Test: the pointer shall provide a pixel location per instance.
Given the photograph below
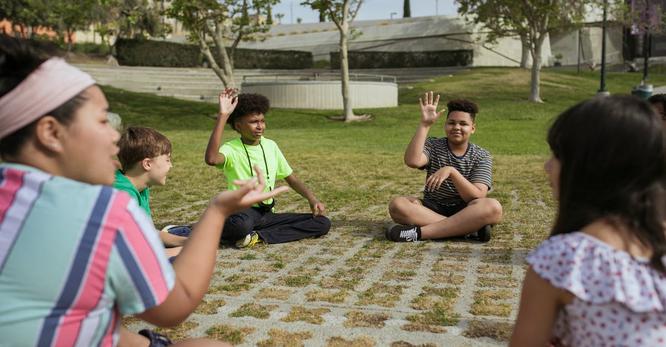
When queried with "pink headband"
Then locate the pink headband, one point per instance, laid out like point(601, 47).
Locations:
point(52, 84)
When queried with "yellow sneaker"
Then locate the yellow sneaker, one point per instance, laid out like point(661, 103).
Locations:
point(249, 240)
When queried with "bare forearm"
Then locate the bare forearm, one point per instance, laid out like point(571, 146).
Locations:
point(214, 142)
point(414, 156)
point(468, 191)
point(300, 188)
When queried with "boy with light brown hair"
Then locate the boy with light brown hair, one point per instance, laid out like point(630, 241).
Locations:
point(145, 157)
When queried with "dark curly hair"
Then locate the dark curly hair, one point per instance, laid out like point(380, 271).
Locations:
point(248, 104)
point(463, 105)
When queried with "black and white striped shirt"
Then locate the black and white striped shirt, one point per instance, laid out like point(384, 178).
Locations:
point(476, 165)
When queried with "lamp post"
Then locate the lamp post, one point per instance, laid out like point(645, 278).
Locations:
point(602, 83)
point(644, 89)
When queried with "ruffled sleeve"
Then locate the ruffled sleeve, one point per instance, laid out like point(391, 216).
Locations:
point(597, 273)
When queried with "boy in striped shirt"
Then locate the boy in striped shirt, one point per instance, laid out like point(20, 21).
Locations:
point(459, 176)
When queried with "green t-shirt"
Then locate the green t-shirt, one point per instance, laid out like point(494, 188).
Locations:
point(237, 167)
point(142, 197)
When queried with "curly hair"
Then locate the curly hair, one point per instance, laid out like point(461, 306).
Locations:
point(248, 104)
point(463, 105)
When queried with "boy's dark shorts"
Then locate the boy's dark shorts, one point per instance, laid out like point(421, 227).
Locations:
point(446, 210)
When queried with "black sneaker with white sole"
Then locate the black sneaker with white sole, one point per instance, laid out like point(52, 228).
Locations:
point(481, 235)
point(403, 233)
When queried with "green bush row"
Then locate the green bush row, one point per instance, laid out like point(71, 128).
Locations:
point(135, 52)
point(378, 60)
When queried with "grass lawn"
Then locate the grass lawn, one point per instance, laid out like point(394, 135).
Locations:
point(355, 169)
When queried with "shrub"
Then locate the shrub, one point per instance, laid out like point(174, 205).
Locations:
point(170, 54)
point(375, 60)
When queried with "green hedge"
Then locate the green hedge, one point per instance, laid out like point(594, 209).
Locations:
point(170, 54)
point(156, 53)
point(376, 60)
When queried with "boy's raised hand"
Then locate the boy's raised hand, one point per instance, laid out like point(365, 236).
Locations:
point(228, 101)
point(249, 193)
point(429, 114)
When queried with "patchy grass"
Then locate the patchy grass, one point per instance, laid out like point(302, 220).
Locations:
point(209, 307)
point(281, 338)
point(398, 275)
point(503, 282)
point(253, 310)
point(407, 344)
point(235, 284)
point(180, 332)
point(228, 333)
point(248, 256)
point(492, 303)
point(380, 294)
point(413, 327)
point(274, 293)
point(362, 341)
point(501, 270)
point(296, 281)
point(335, 297)
point(431, 297)
point(300, 313)
point(437, 315)
point(451, 278)
point(357, 319)
point(484, 328)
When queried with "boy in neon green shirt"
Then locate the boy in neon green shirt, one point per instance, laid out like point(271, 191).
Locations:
point(246, 114)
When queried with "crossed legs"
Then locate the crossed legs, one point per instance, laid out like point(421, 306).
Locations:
point(479, 212)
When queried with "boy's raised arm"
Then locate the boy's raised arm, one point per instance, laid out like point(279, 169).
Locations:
point(228, 102)
point(414, 156)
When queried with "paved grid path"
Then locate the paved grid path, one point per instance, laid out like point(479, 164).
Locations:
point(353, 288)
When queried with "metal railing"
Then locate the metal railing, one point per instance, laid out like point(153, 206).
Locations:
point(318, 76)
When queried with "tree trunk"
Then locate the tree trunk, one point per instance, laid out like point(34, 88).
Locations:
point(69, 34)
point(535, 92)
point(524, 52)
point(227, 80)
point(344, 73)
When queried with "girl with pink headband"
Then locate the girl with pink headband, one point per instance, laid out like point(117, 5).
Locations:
point(75, 254)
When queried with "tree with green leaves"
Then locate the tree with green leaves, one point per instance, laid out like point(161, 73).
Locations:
point(25, 15)
point(269, 15)
point(220, 25)
point(139, 19)
point(531, 20)
point(406, 9)
point(68, 16)
point(342, 14)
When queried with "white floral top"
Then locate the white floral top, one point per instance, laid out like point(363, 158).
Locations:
point(619, 300)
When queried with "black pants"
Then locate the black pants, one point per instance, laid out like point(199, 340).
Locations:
point(274, 227)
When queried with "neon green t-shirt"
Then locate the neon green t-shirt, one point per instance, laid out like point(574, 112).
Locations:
point(236, 165)
point(142, 197)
